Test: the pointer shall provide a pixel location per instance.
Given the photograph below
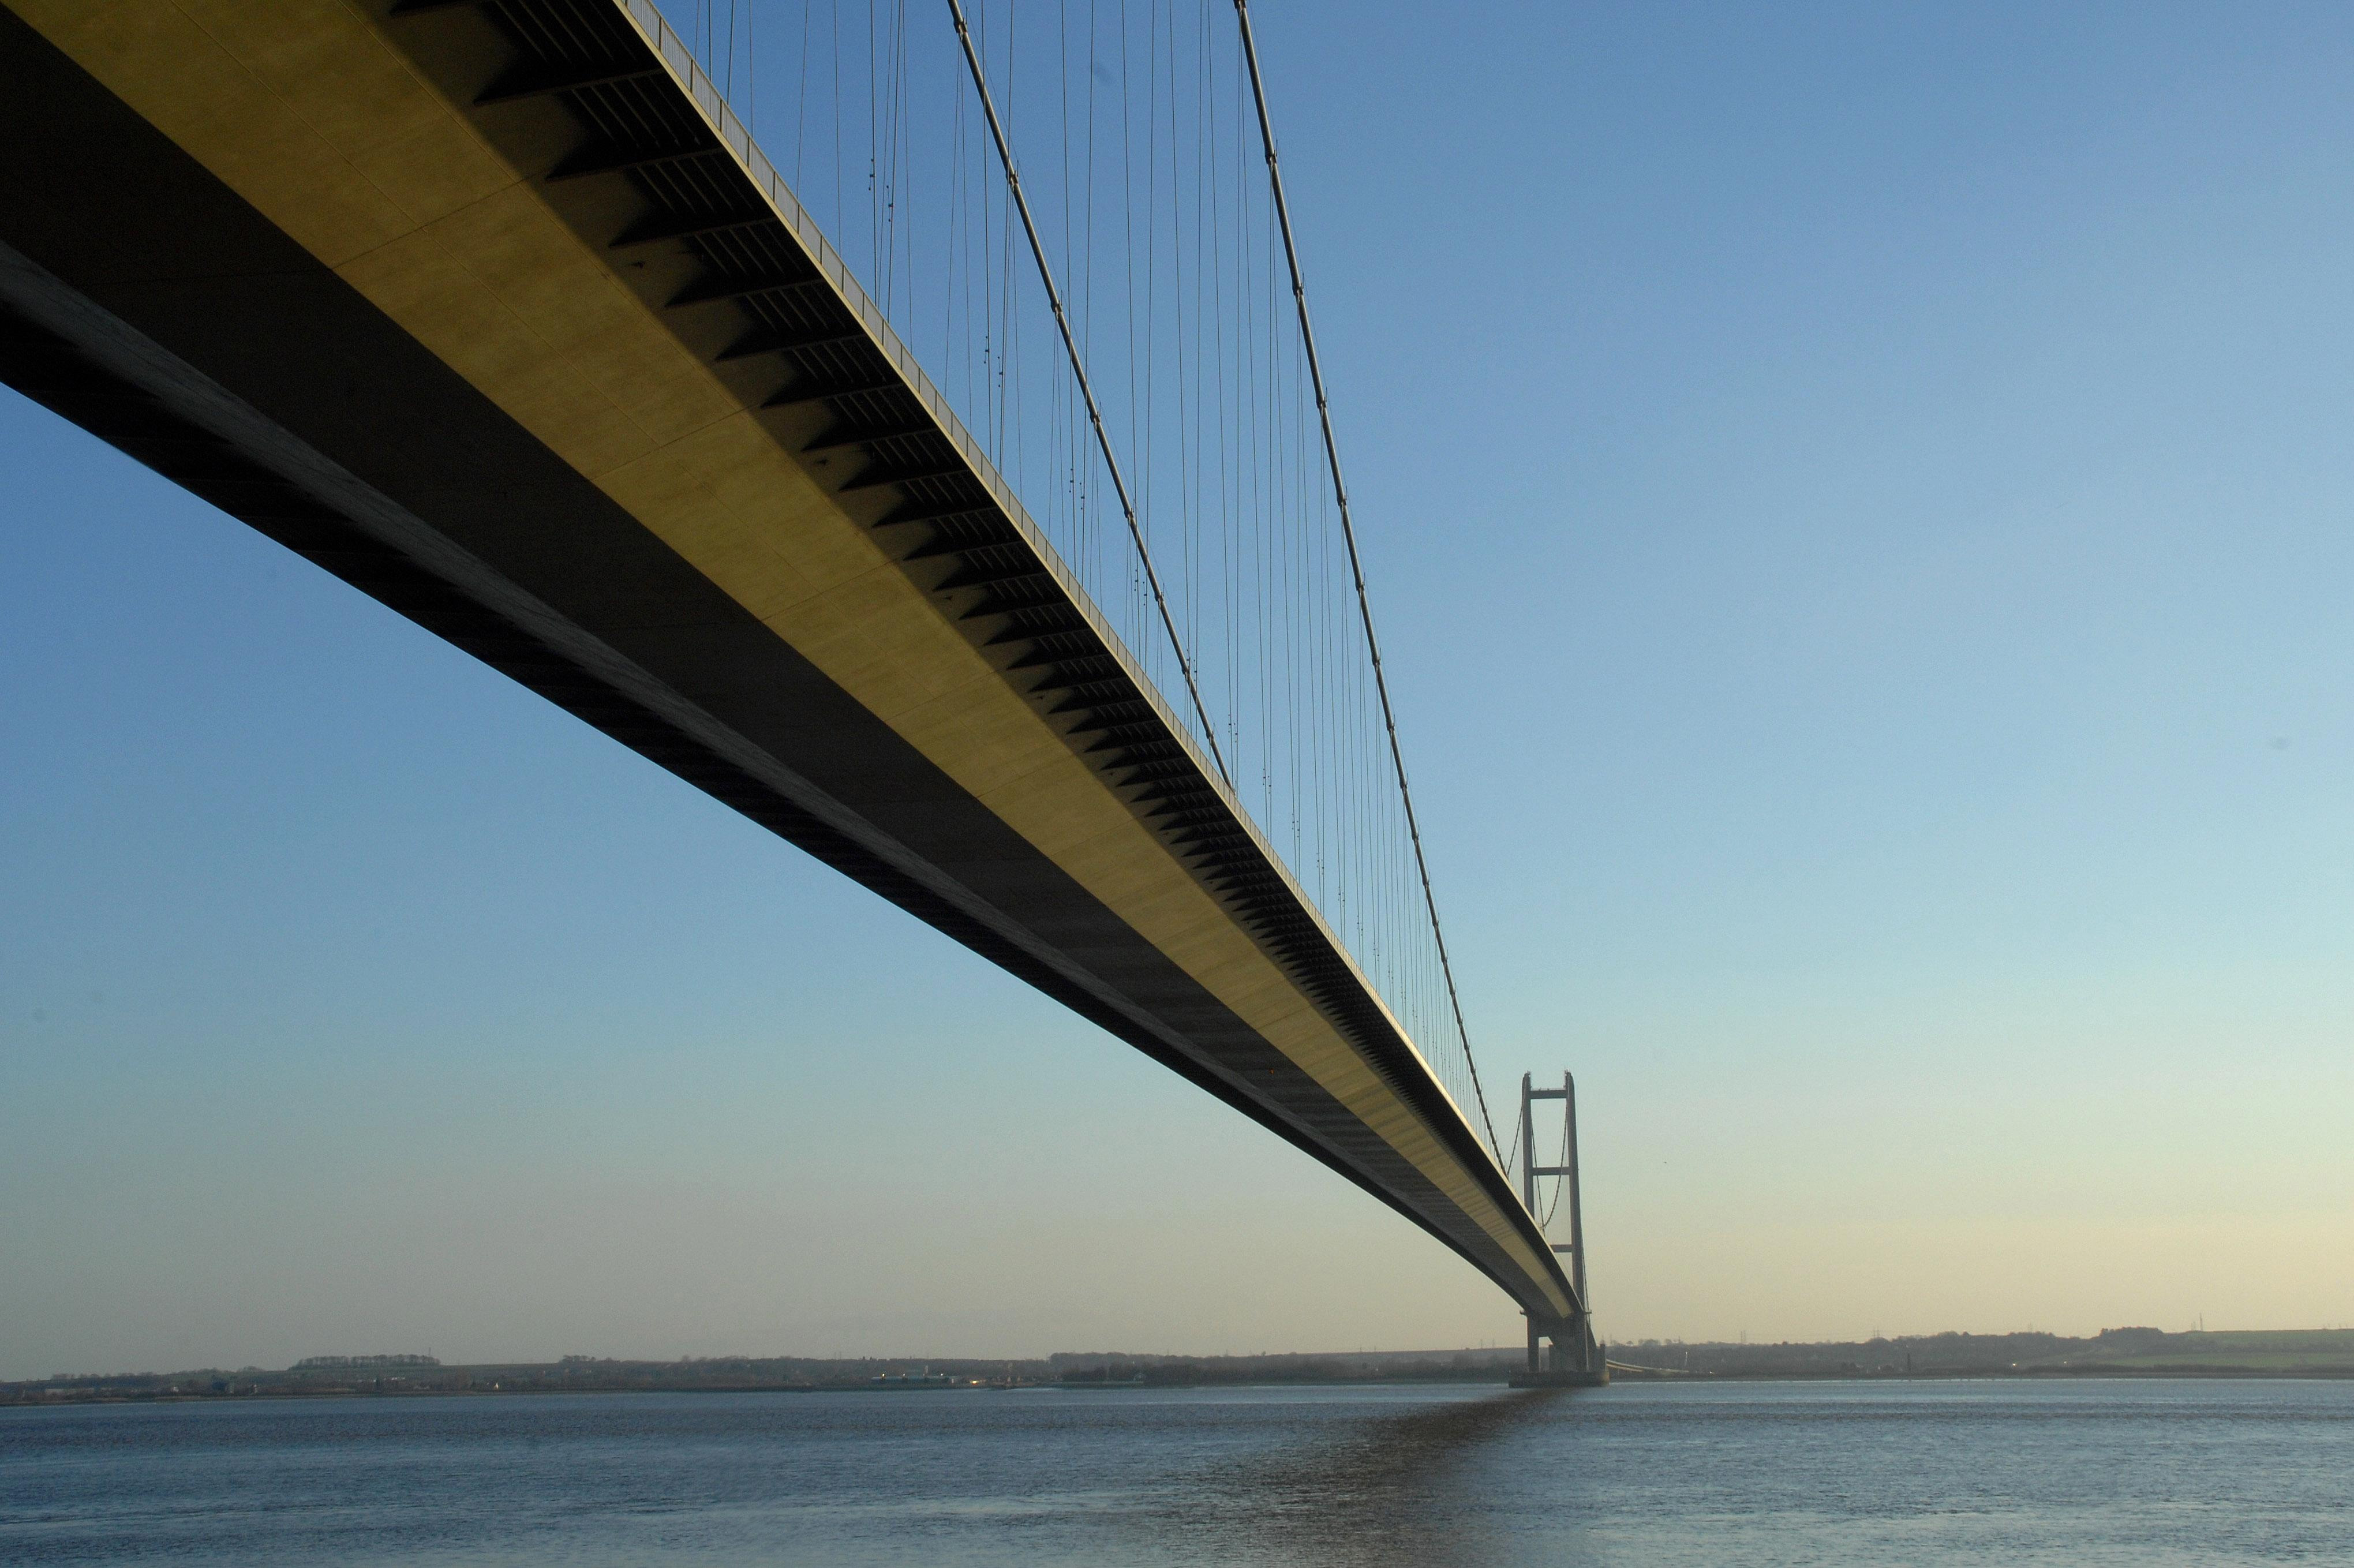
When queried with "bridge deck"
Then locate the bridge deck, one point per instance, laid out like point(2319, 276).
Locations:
point(493, 310)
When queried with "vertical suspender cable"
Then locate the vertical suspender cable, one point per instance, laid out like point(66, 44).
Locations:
point(1356, 570)
point(1079, 370)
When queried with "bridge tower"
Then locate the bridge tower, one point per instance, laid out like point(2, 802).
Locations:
point(1573, 1358)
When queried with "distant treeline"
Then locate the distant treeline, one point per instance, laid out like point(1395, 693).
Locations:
point(1113, 1367)
point(2116, 1352)
point(393, 1375)
point(582, 1374)
point(2113, 1352)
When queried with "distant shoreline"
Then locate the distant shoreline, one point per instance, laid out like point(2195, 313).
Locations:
point(1623, 1372)
point(2132, 1354)
point(1620, 1374)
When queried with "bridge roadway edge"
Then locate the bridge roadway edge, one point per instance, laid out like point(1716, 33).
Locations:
point(236, 308)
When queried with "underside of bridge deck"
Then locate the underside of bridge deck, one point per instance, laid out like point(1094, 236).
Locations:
point(487, 309)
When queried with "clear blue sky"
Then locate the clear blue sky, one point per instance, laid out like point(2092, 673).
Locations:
point(1858, 501)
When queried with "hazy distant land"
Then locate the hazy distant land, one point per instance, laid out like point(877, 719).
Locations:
point(2113, 1353)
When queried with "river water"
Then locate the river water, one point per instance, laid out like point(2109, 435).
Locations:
point(2148, 1474)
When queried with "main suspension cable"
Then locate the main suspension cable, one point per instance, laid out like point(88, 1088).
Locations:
point(1348, 532)
point(1079, 370)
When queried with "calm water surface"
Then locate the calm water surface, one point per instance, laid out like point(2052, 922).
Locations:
point(2081, 1473)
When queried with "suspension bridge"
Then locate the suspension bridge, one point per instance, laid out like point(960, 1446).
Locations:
point(944, 478)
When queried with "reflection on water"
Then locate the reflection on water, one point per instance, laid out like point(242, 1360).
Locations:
point(1936, 1474)
point(1389, 1490)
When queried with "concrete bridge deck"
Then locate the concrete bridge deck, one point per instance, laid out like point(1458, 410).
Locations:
point(493, 312)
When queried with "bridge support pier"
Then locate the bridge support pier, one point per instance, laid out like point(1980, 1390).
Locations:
point(1563, 1354)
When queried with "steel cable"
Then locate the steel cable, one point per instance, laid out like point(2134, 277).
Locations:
point(1356, 566)
point(1079, 369)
